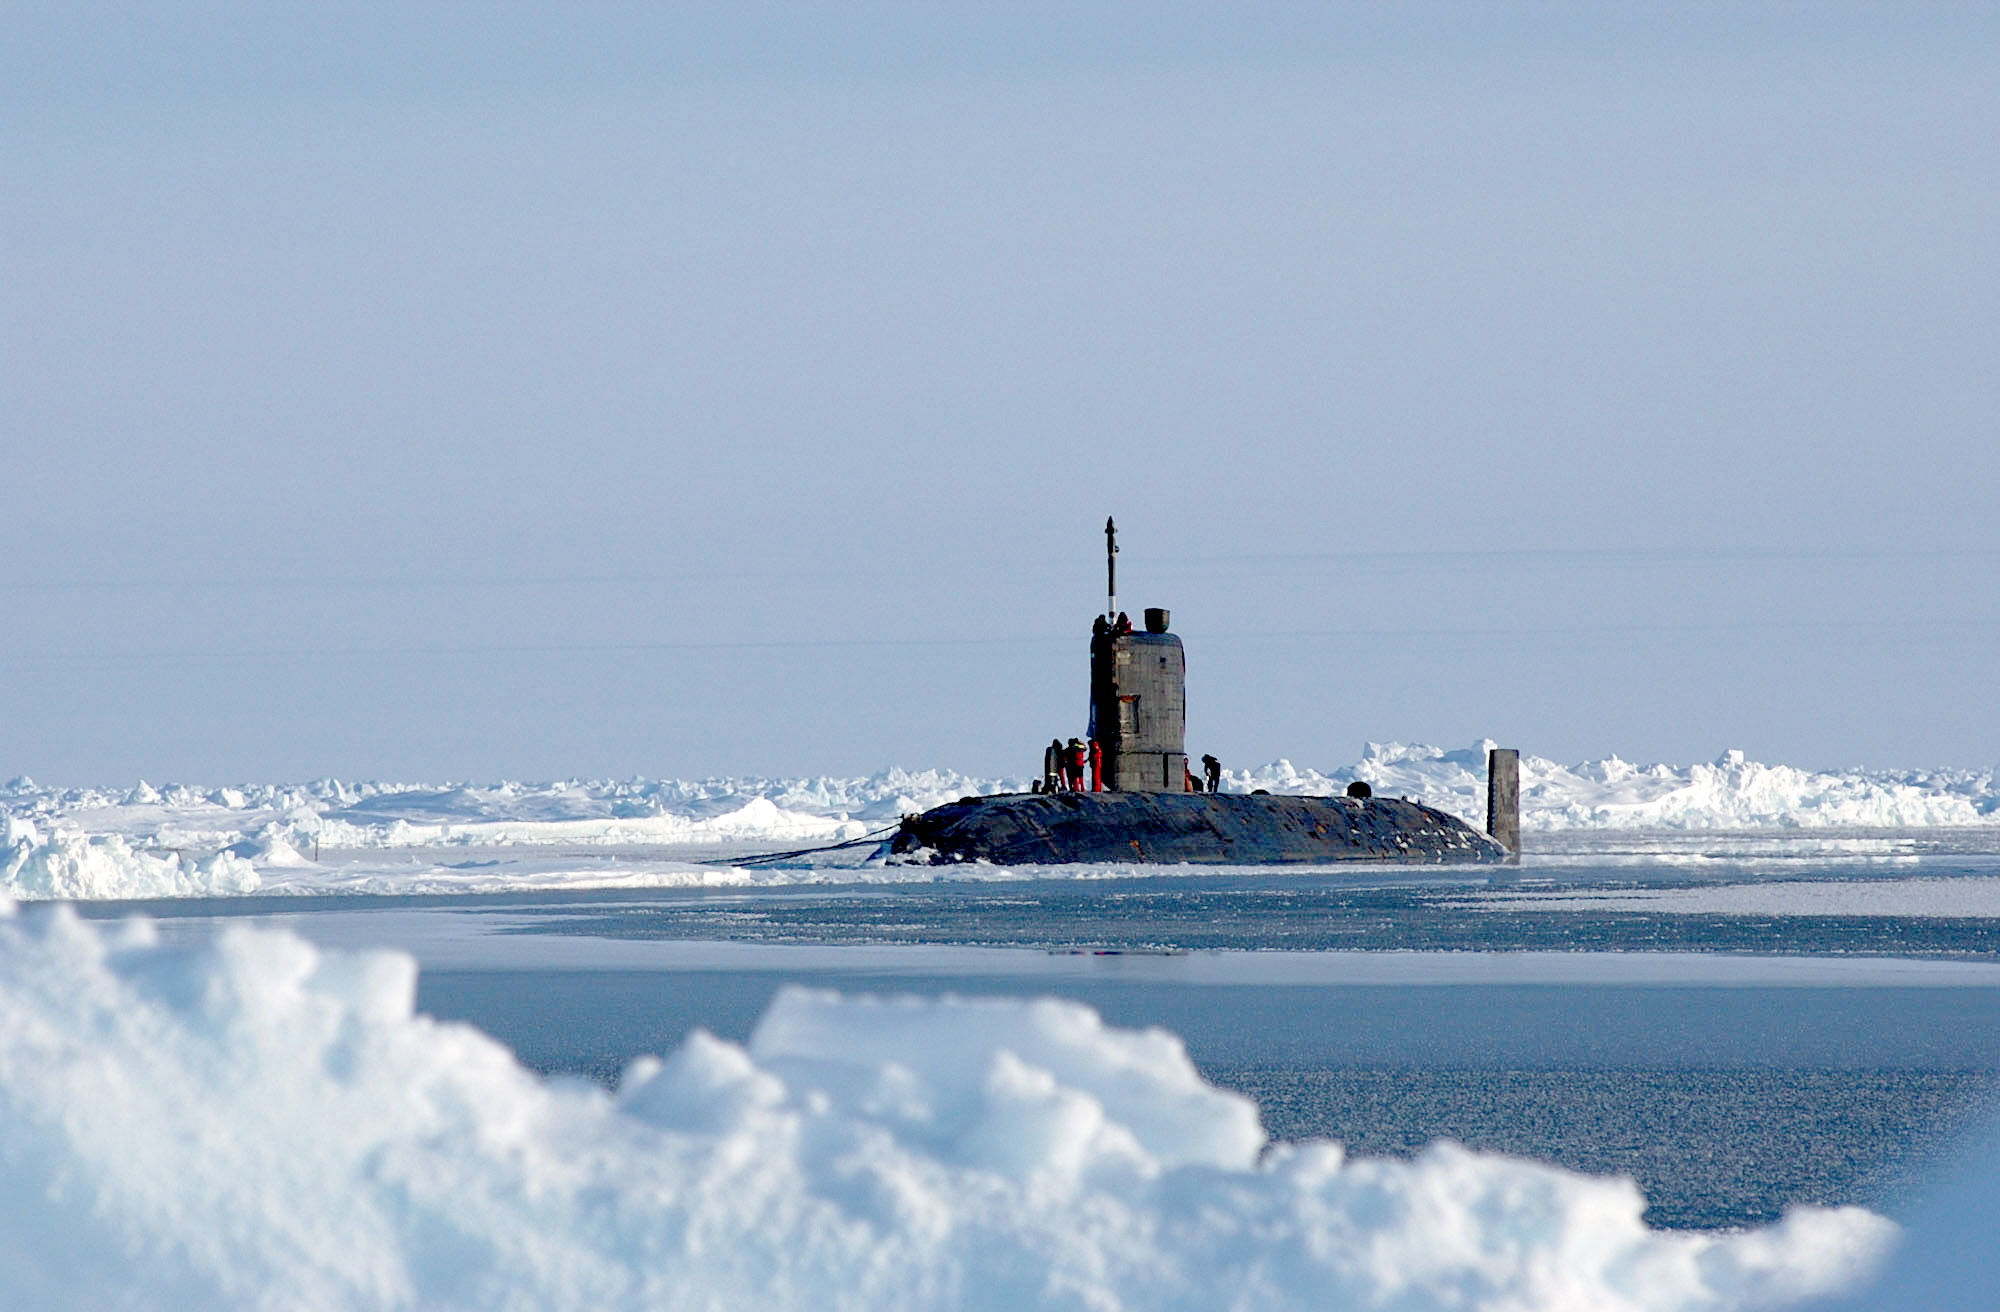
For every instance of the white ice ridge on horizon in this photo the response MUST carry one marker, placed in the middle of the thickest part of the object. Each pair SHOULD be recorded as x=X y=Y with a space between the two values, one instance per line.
x=254 y=1123
x=179 y=840
x=1731 y=792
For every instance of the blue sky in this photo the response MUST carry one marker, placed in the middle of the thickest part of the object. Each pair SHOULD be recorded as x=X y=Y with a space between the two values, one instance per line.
x=472 y=391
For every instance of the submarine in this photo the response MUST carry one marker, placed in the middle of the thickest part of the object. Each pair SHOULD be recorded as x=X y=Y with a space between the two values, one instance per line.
x=1140 y=803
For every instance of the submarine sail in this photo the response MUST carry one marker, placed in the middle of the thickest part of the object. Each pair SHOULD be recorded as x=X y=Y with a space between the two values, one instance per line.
x=1140 y=803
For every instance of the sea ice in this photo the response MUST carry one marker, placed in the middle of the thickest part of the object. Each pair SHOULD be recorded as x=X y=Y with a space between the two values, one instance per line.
x=71 y=865
x=1975 y=896
x=332 y=836
x=250 y=1122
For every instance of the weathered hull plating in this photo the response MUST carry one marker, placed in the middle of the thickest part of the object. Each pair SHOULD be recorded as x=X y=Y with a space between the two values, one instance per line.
x=1187 y=828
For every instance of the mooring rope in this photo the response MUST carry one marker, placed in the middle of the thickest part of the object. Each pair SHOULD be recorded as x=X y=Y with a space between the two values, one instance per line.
x=763 y=857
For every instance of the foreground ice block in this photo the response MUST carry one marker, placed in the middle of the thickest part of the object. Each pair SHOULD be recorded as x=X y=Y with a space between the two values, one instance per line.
x=253 y=1123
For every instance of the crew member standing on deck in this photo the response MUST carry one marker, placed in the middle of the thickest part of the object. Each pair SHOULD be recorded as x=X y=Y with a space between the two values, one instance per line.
x=1211 y=769
x=1096 y=766
x=1073 y=759
x=1052 y=765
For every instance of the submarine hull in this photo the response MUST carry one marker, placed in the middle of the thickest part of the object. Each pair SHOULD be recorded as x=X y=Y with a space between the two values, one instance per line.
x=1187 y=828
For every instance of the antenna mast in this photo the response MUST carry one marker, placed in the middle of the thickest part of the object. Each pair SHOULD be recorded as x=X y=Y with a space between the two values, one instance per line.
x=1110 y=569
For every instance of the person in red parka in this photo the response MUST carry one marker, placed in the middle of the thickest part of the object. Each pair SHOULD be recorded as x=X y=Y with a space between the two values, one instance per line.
x=1073 y=761
x=1096 y=766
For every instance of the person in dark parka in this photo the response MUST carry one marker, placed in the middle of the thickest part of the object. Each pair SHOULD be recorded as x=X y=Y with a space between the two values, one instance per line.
x=1211 y=769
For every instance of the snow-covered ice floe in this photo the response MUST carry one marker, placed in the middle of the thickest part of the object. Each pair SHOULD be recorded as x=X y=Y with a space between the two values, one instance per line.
x=381 y=837
x=250 y=1122
x=1730 y=792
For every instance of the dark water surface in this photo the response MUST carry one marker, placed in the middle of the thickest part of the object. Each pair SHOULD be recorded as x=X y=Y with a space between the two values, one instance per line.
x=1304 y=911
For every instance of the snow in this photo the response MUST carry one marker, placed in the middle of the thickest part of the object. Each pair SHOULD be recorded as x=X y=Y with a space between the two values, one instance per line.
x=383 y=837
x=72 y=865
x=250 y=1122
x=1731 y=792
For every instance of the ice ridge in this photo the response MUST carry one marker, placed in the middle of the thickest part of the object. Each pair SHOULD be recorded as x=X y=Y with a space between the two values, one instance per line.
x=179 y=840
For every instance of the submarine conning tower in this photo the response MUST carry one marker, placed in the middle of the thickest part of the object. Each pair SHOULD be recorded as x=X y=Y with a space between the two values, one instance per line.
x=1154 y=813
x=1138 y=695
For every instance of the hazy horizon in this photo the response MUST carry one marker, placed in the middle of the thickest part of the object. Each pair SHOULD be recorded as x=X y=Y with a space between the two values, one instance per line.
x=478 y=392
